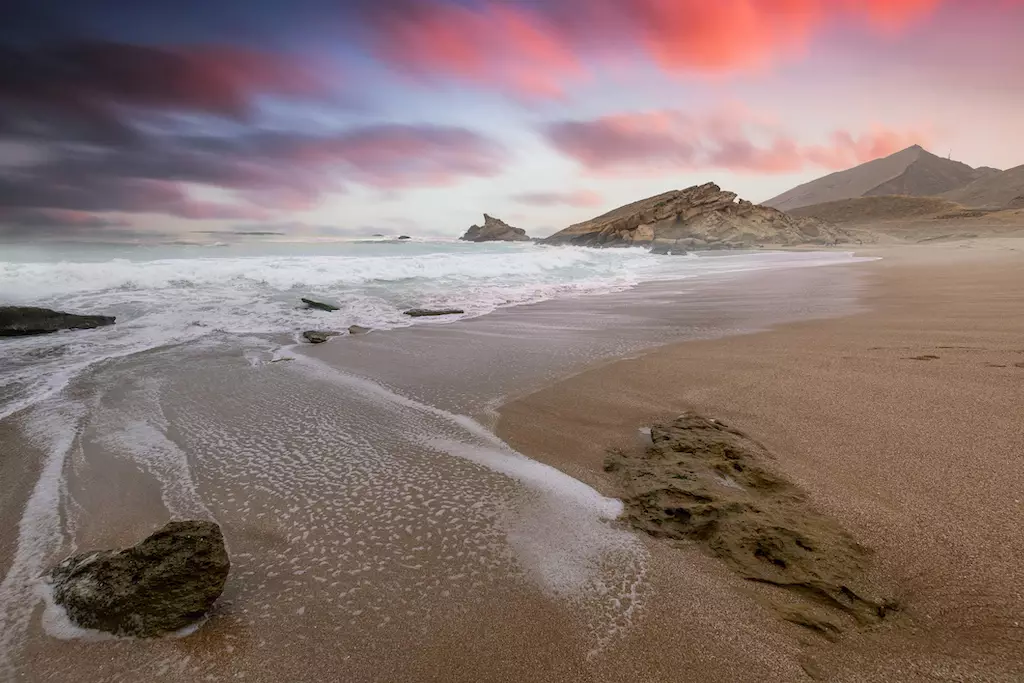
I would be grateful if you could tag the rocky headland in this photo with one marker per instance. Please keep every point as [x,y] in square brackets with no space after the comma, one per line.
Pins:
[699,217]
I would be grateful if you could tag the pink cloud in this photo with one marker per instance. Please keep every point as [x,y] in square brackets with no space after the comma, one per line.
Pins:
[536,49]
[728,139]
[581,198]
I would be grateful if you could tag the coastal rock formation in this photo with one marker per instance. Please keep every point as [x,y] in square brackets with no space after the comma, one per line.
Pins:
[358,329]
[318,336]
[167,582]
[17,321]
[427,312]
[699,217]
[321,305]
[703,481]
[495,230]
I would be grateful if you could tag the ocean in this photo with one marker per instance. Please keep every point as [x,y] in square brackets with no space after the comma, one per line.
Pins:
[165,295]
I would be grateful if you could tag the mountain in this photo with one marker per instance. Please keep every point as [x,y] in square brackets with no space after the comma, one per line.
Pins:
[699,217]
[999,190]
[495,230]
[913,171]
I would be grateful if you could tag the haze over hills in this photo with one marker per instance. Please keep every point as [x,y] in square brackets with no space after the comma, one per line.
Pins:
[913,172]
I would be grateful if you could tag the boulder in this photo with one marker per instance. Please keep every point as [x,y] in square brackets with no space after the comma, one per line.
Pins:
[693,218]
[426,312]
[318,336]
[165,583]
[16,321]
[357,329]
[495,230]
[321,305]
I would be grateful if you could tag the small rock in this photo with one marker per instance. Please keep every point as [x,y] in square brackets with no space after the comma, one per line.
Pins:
[404,237]
[17,321]
[167,582]
[318,336]
[425,312]
[322,305]
[357,329]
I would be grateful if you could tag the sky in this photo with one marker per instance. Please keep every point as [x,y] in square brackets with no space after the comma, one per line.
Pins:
[219,120]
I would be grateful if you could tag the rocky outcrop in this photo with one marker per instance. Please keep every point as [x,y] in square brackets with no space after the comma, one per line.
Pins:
[495,230]
[428,312]
[167,582]
[321,305]
[700,217]
[17,321]
[702,481]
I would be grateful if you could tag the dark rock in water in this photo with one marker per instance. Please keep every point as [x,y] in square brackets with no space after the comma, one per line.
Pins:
[17,321]
[404,237]
[377,234]
[167,582]
[495,230]
[318,336]
[357,329]
[323,306]
[425,312]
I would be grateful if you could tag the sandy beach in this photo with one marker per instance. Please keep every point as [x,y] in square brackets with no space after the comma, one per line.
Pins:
[379,530]
[902,422]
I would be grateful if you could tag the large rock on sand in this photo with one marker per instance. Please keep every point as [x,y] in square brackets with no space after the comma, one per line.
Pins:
[704,482]
[703,214]
[167,582]
[16,321]
[318,336]
[495,230]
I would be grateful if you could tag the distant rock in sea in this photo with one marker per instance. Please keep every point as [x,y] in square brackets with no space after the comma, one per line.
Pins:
[699,217]
[427,312]
[495,230]
[167,582]
[17,321]
[322,305]
[404,237]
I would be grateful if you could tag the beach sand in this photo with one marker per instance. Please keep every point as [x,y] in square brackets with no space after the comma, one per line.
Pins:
[905,423]
[377,534]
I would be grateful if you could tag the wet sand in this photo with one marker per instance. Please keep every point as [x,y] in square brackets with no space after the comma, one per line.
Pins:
[903,423]
[377,533]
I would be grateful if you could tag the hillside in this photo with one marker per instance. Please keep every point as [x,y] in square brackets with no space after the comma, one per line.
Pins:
[699,217]
[913,171]
[863,210]
[993,191]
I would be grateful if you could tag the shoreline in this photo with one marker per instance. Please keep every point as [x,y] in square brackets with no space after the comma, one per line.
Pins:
[917,456]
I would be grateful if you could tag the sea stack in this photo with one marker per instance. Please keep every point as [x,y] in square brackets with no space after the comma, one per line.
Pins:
[495,230]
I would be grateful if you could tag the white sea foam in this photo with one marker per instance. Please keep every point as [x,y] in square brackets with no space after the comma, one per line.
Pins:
[178,296]
[52,427]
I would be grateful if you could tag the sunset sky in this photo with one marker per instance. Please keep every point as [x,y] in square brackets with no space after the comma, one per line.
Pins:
[201,119]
